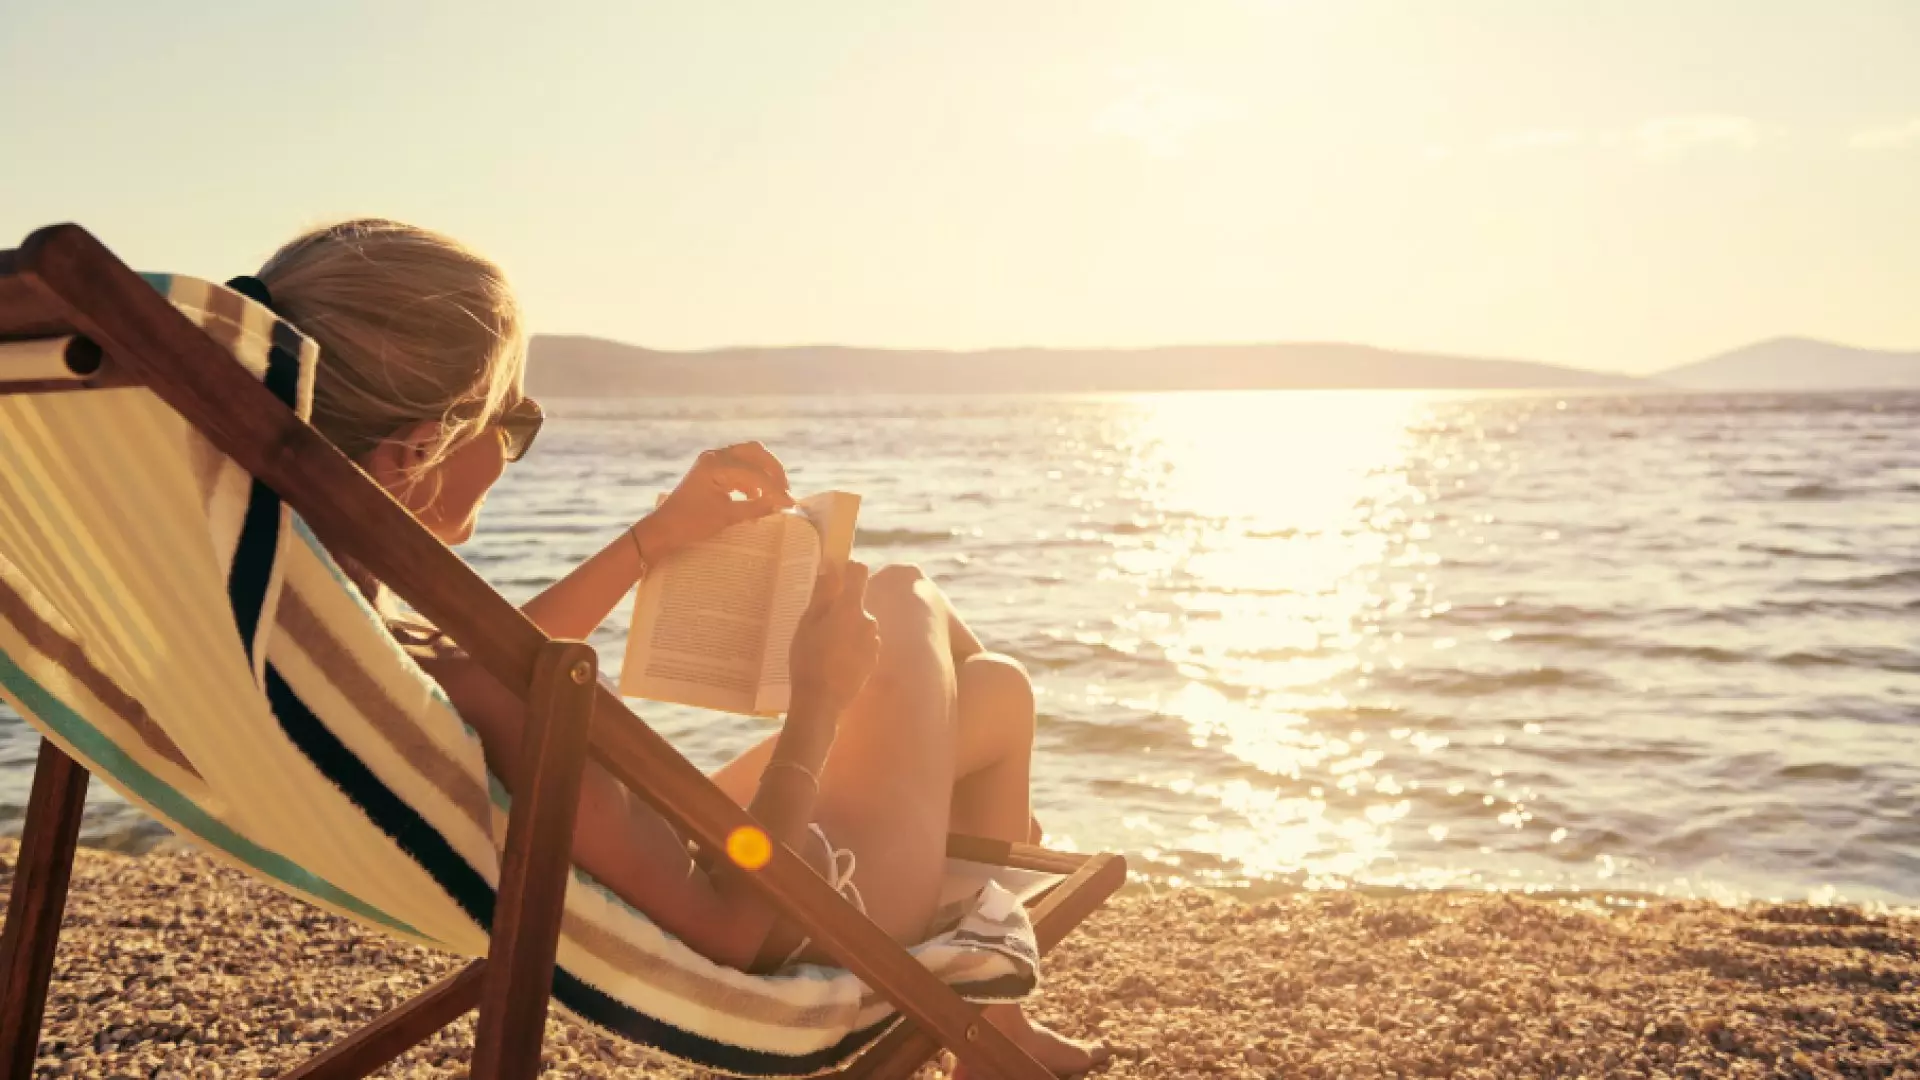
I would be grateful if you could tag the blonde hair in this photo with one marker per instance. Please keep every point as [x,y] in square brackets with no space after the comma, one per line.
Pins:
[413,326]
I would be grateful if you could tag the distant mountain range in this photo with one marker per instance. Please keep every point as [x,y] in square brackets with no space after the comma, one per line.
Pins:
[593,367]
[1792,363]
[573,366]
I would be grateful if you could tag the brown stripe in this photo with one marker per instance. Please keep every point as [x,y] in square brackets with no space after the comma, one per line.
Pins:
[399,728]
[224,315]
[747,1002]
[71,658]
[218,318]
[971,963]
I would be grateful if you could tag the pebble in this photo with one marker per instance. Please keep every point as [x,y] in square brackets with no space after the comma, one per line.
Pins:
[173,966]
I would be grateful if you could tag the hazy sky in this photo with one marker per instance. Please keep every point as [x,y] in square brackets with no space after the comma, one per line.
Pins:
[1621,184]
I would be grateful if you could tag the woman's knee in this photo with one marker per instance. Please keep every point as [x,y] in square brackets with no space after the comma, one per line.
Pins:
[895,574]
[901,590]
[896,581]
[995,689]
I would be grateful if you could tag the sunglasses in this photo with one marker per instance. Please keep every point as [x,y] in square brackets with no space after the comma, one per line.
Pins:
[518,427]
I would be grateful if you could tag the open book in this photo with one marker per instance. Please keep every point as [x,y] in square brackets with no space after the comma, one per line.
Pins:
[712,622]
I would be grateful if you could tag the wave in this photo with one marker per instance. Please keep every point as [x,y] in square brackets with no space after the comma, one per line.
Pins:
[1564,640]
[1880,659]
[1822,770]
[510,531]
[903,537]
[1795,553]
[1895,660]
[1889,579]
[658,478]
[1060,655]
[1191,587]
[1703,654]
[1076,540]
[1814,491]
[1125,732]
[1643,754]
[1463,683]
[1769,609]
[1274,654]
[1548,615]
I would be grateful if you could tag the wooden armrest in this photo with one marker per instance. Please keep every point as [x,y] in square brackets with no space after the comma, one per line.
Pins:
[1014,856]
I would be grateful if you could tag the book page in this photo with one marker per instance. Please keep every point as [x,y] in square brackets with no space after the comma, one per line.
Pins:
[700,621]
[834,514]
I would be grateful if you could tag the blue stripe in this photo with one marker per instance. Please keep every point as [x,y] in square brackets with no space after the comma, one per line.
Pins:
[611,1014]
[387,811]
[259,545]
[997,989]
[286,342]
[176,810]
[252,565]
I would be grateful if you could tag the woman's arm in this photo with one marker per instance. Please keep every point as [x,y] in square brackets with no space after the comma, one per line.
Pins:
[576,605]
[704,503]
[631,849]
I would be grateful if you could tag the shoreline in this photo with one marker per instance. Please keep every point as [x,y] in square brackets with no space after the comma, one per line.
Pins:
[154,839]
[172,966]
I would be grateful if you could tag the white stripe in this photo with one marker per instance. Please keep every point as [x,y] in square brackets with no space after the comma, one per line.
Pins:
[28,361]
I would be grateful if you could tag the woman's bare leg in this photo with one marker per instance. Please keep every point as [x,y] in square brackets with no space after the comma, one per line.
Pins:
[991,796]
[993,754]
[993,800]
[884,787]
[882,791]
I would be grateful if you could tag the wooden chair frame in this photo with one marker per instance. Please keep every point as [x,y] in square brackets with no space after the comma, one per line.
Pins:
[63,281]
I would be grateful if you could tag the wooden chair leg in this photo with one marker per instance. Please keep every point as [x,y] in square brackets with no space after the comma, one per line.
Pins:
[397,1030]
[38,900]
[900,1052]
[533,874]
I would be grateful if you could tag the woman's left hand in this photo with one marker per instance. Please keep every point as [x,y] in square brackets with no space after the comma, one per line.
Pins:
[704,502]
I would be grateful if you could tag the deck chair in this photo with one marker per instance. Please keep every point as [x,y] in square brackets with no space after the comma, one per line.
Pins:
[171,620]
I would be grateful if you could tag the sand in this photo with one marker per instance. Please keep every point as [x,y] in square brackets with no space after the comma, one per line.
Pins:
[170,966]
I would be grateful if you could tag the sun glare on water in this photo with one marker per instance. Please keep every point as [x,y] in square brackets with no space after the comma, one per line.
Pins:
[1280,511]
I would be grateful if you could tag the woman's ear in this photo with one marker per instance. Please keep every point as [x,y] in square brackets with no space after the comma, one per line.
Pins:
[395,463]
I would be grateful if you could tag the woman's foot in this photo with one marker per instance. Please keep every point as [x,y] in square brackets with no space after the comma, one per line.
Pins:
[1061,1056]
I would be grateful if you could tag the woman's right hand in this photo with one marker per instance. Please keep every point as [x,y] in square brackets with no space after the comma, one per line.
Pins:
[836,645]
[725,487]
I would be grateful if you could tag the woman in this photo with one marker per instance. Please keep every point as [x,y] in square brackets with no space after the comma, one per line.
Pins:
[902,727]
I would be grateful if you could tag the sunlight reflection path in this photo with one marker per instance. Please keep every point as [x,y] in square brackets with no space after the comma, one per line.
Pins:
[1287,508]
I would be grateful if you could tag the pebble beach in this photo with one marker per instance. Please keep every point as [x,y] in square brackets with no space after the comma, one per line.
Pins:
[172,966]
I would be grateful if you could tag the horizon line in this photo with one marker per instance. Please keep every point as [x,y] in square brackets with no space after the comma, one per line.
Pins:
[1309,343]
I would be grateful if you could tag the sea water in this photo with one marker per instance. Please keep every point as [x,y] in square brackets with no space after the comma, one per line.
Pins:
[1650,643]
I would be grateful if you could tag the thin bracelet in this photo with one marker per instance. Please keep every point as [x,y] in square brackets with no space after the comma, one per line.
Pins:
[633,531]
[795,766]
